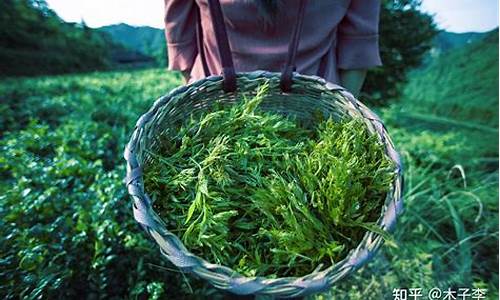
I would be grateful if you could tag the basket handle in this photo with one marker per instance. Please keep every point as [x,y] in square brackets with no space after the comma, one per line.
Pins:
[290,67]
[199,42]
[228,73]
[224,49]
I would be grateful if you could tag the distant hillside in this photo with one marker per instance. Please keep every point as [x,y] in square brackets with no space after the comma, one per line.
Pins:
[446,41]
[455,95]
[35,41]
[145,40]
[461,86]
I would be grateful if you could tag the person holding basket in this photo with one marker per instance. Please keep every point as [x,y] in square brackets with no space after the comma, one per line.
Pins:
[338,42]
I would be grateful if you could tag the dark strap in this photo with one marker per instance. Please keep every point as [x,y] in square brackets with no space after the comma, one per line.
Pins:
[229,83]
[228,73]
[199,42]
[289,68]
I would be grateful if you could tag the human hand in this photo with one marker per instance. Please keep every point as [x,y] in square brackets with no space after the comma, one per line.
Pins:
[352,80]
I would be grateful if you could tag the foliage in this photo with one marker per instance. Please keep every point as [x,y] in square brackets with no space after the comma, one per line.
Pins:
[473,69]
[446,41]
[144,39]
[257,192]
[406,33]
[65,223]
[34,40]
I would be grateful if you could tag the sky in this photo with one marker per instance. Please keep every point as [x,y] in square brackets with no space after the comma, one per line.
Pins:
[451,15]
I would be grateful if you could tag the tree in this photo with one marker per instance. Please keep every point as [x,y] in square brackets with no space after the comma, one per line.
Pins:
[406,34]
[34,40]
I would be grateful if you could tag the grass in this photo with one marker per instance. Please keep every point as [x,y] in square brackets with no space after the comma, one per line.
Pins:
[66,227]
[461,85]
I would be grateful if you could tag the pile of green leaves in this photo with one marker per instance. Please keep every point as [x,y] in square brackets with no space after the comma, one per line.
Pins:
[259,193]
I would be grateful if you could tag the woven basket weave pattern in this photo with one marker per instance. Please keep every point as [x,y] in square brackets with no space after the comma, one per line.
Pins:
[310,94]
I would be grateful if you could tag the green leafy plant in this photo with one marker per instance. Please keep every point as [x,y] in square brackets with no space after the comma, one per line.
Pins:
[256,191]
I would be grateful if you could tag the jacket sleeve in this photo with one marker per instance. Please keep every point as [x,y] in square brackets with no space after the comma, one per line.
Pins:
[180,33]
[357,43]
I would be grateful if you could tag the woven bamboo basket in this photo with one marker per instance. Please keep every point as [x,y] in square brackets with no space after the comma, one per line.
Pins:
[309,95]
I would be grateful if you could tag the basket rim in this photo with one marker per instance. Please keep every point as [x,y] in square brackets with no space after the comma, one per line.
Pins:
[225,278]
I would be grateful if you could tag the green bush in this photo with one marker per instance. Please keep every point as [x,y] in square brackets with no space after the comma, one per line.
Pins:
[65,220]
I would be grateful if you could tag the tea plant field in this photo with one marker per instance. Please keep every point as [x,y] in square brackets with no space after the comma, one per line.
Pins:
[66,224]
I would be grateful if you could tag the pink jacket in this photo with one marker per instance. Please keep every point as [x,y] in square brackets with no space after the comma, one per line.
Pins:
[343,34]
